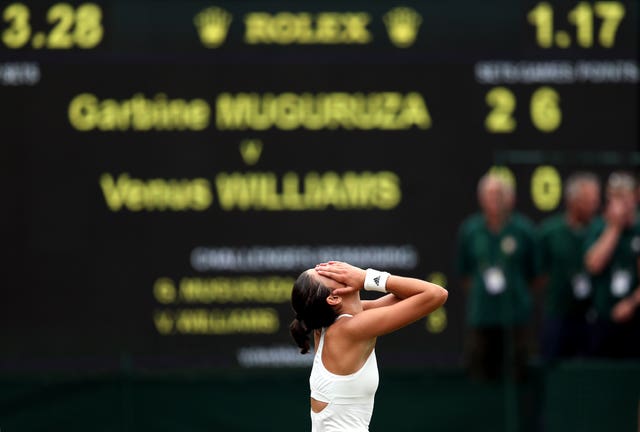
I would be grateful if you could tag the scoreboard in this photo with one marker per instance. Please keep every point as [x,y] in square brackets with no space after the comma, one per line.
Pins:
[171,166]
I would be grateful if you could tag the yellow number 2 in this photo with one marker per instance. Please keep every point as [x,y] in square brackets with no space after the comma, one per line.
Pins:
[60,37]
[503,103]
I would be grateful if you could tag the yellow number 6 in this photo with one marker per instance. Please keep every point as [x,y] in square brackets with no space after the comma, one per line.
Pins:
[545,109]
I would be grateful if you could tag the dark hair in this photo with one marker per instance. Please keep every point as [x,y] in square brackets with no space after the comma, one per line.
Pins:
[309,301]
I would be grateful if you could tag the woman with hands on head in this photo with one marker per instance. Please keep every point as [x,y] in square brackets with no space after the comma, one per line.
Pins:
[344,376]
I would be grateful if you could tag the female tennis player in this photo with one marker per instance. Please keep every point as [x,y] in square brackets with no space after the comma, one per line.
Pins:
[344,376]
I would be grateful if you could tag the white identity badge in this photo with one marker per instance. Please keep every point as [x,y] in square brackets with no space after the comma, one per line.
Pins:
[620,283]
[508,245]
[581,286]
[494,280]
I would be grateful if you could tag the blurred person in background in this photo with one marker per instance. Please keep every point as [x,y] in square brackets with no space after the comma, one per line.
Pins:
[566,284]
[613,260]
[496,259]
[510,204]
[327,303]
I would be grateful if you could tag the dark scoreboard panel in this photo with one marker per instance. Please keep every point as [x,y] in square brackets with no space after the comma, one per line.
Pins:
[170,167]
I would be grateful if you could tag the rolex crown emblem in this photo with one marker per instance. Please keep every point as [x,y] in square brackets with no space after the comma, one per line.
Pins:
[402,25]
[213,24]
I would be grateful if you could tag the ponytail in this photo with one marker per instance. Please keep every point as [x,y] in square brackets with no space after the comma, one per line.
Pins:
[300,333]
[309,301]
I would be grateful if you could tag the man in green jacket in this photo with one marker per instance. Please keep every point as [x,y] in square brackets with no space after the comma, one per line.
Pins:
[496,260]
[613,259]
[566,284]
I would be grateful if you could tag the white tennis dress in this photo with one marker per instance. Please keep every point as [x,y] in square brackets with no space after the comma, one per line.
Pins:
[349,397]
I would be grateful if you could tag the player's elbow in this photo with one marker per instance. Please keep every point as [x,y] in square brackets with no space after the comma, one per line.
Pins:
[443,295]
[437,298]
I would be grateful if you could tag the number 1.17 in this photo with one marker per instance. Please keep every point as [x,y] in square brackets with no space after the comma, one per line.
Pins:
[582,17]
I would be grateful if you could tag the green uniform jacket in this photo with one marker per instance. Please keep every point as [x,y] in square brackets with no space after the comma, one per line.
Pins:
[620,277]
[568,292]
[500,265]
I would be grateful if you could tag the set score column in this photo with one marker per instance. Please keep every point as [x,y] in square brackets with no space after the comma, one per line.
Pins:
[525,115]
[551,99]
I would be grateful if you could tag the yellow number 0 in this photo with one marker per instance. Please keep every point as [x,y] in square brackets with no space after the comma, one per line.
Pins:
[546,188]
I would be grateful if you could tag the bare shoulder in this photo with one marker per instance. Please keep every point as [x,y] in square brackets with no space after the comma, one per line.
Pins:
[344,331]
[344,351]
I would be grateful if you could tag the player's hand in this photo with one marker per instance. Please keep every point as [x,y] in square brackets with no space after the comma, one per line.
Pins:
[351,276]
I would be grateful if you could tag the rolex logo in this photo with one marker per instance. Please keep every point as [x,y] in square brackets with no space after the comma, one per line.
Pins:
[213,24]
[402,25]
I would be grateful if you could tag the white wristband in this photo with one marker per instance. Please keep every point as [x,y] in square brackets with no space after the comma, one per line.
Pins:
[376,280]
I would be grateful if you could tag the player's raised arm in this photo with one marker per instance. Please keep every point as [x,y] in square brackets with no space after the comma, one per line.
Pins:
[412,298]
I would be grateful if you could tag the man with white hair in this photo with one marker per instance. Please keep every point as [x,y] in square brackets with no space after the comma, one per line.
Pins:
[613,259]
[496,261]
[566,283]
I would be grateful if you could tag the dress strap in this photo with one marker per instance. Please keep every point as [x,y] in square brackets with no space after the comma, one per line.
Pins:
[344,315]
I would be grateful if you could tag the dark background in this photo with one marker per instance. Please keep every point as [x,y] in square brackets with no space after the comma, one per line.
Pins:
[79,278]
[79,348]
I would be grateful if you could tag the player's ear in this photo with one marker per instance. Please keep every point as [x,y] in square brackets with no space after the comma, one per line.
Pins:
[334,300]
